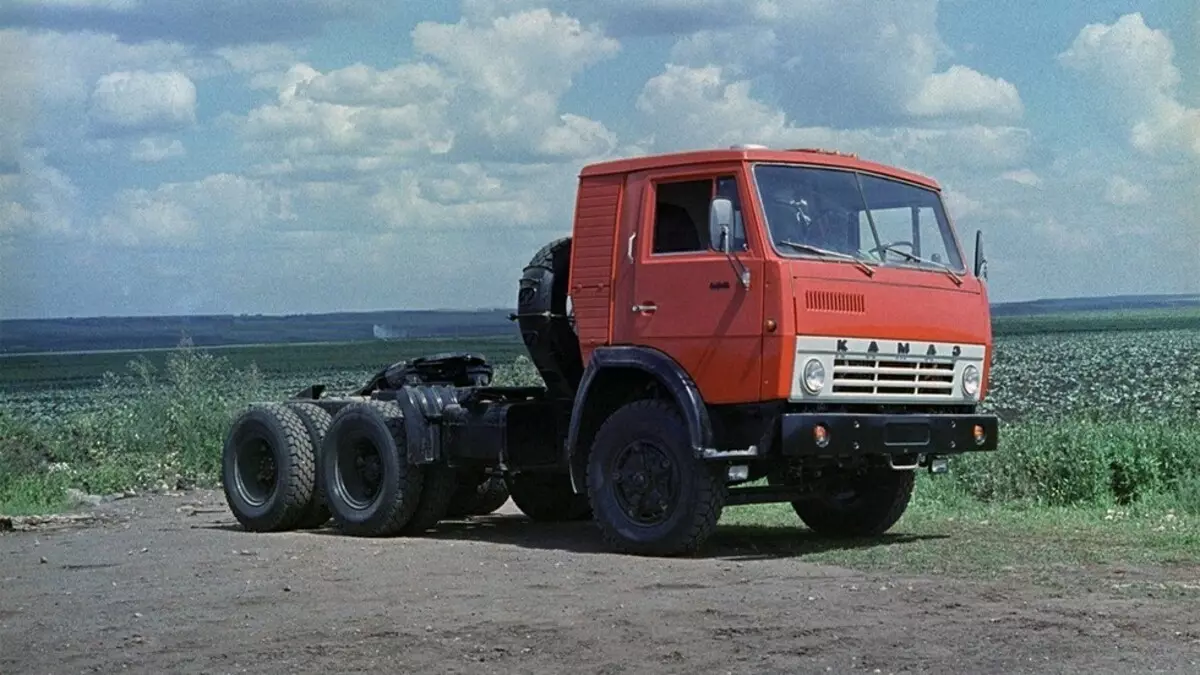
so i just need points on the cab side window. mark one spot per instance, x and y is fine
(681, 214)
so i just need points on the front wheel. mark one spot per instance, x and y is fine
(864, 505)
(650, 494)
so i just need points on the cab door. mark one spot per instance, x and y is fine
(684, 298)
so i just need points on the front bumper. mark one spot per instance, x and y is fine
(852, 434)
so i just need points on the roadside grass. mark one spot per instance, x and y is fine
(949, 533)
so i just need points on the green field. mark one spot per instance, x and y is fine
(1092, 419)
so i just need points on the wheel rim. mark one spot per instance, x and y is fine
(257, 472)
(359, 471)
(645, 482)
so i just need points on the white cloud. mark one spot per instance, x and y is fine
(479, 90)
(143, 101)
(156, 149)
(1026, 177)
(37, 199)
(700, 107)
(963, 92)
(217, 210)
(1121, 191)
(1134, 66)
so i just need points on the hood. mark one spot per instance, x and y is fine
(840, 300)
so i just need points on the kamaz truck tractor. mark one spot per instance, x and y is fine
(721, 327)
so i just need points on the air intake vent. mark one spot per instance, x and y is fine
(832, 301)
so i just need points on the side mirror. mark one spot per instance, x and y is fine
(980, 260)
(720, 224)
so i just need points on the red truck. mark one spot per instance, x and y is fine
(722, 327)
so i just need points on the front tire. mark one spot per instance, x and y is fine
(370, 487)
(650, 494)
(267, 468)
(858, 506)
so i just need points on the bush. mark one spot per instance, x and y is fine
(1083, 461)
(150, 431)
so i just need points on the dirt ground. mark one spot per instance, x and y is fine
(170, 584)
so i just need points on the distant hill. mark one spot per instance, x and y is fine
(164, 332)
(1095, 304)
(161, 332)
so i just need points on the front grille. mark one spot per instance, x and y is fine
(893, 377)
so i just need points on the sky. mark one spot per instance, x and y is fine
(297, 156)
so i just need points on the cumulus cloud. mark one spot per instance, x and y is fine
(141, 101)
(478, 90)
(1134, 66)
(213, 211)
(1121, 191)
(1026, 177)
(847, 64)
(156, 149)
(701, 107)
(963, 92)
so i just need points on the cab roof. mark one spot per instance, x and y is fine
(810, 156)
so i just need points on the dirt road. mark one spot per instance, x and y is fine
(169, 584)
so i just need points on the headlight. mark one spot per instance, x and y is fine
(814, 376)
(970, 381)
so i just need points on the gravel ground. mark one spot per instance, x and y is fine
(169, 583)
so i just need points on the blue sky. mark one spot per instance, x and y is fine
(323, 155)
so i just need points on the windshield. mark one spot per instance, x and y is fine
(873, 219)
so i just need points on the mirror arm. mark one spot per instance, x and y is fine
(735, 262)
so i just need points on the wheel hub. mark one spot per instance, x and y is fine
(360, 471)
(645, 482)
(256, 472)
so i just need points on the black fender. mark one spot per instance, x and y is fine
(423, 407)
(661, 367)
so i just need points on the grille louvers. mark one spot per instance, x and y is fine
(834, 301)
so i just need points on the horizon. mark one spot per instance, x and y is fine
(1195, 297)
(181, 162)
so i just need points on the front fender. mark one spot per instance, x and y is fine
(657, 365)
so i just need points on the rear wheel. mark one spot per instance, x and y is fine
(316, 421)
(547, 497)
(863, 505)
(369, 485)
(267, 468)
(650, 494)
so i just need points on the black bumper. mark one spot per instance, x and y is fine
(851, 434)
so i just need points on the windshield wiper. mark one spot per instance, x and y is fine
(942, 266)
(858, 262)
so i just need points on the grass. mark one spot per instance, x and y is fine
(945, 532)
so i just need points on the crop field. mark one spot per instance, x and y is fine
(1072, 549)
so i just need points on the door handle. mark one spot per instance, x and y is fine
(648, 307)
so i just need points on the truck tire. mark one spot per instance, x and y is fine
(268, 468)
(370, 487)
(867, 506)
(651, 495)
(316, 421)
(547, 497)
(477, 495)
(438, 488)
(546, 329)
